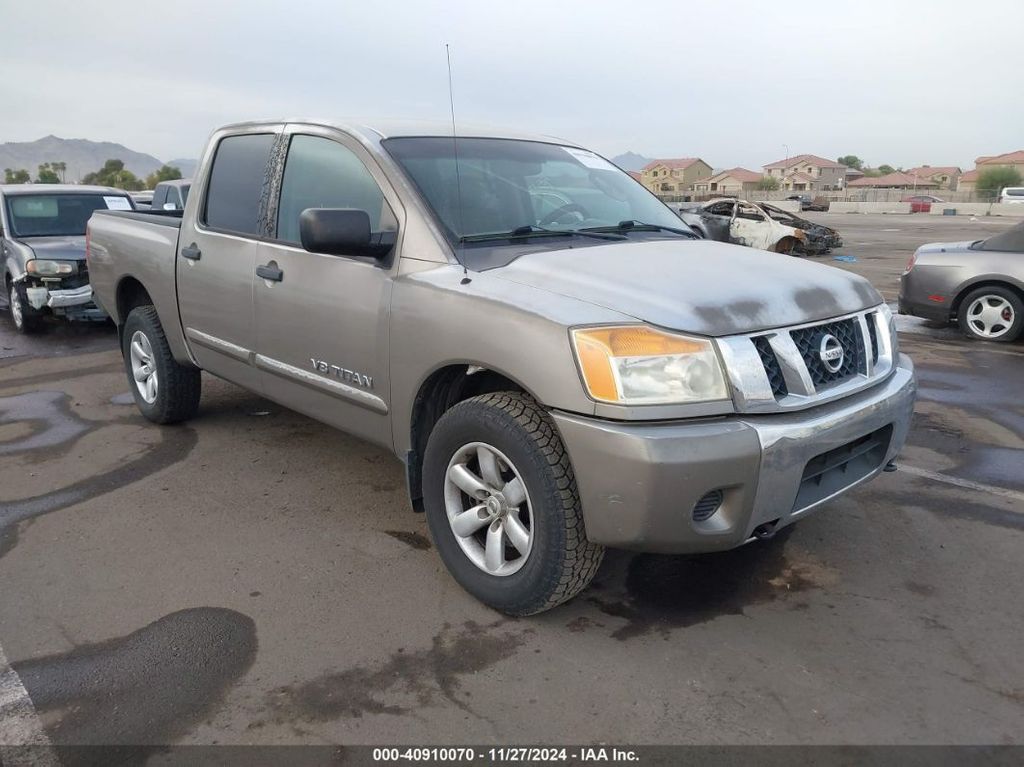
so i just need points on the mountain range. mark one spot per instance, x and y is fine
(631, 161)
(81, 157)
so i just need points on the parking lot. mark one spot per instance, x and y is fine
(256, 577)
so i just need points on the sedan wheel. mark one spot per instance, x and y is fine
(992, 314)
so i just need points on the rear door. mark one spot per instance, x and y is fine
(217, 256)
(322, 321)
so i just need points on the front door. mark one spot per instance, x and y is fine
(322, 320)
(750, 227)
(217, 259)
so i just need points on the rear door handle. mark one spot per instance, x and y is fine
(270, 272)
(192, 252)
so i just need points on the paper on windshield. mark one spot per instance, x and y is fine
(117, 203)
(590, 159)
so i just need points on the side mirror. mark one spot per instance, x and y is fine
(342, 232)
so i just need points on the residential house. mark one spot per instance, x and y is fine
(895, 180)
(945, 176)
(673, 176)
(807, 172)
(969, 180)
(733, 182)
(635, 175)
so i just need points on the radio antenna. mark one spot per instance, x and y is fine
(455, 153)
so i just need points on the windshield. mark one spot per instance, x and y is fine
(1011, 241)
(52, 215)
(510, 185)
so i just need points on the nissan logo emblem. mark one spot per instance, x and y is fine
(831, 353)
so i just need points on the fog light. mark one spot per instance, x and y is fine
(707, 505)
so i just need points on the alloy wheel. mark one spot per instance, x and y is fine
(489, 509)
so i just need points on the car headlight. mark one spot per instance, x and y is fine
(44, 268)
(638, 365)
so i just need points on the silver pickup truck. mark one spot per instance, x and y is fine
(559, 362)
(42, 250)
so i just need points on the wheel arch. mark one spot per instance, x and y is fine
(985, 281)
(439, 391)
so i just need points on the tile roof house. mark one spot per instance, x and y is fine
(969, 180)
(945, 176)
(814, 172)
(675, 175)
(734, 181)
(895, 180)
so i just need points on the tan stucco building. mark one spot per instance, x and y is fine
(807, 172)
(674, 176)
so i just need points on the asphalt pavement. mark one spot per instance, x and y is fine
(256, 577)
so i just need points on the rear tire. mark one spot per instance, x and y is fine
(553, 560)
(165, 391)
(992, 313)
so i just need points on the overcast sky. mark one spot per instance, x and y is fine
(896, 82)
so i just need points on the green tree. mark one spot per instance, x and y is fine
(114, 174)
(851, 161)
(61, 168)
(768, 184)
(885, 170)
(166, 173)
(992, 180)
(16, 176)
(47, 174)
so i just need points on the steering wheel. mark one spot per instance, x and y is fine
(557, 213)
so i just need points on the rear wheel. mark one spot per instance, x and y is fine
(992, 313)
(502, 505)
(164, 390)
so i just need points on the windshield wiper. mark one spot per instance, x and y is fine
(639, 226)
(531, 230)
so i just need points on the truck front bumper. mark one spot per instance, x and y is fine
(640, 483)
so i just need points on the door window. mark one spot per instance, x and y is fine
(236, 183)
(321, 173)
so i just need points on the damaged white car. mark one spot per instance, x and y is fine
(760, 225)
(42, 241)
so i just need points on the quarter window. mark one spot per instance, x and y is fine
(236, 183)
(321, 173)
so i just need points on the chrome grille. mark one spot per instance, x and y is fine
(808, 343)
(771, 365)
(781, 369)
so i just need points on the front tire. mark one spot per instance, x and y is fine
(165, 391)
(992, 313)
(26, 320)
(502, 505)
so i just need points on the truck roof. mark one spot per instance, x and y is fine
(376, 130)
(59, 189)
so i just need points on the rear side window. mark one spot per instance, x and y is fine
(159, 197)
(320, 173)
(236, 183)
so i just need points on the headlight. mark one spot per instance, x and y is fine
(638, 365)
(44, 268)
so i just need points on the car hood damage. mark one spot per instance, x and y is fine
(57, 248)
(819, 239)
(696, 286)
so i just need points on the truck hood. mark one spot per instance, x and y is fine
(696, 286)
(57, 248)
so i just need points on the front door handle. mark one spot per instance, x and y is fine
(192, 252)
(270, 272)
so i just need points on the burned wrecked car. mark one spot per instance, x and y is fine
(43, 250)
(760, 225)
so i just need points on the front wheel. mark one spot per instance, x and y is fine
(164, 390)
(25, 319)
(502, 505)
(992, 314)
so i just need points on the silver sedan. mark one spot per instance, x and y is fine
(979, 285)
